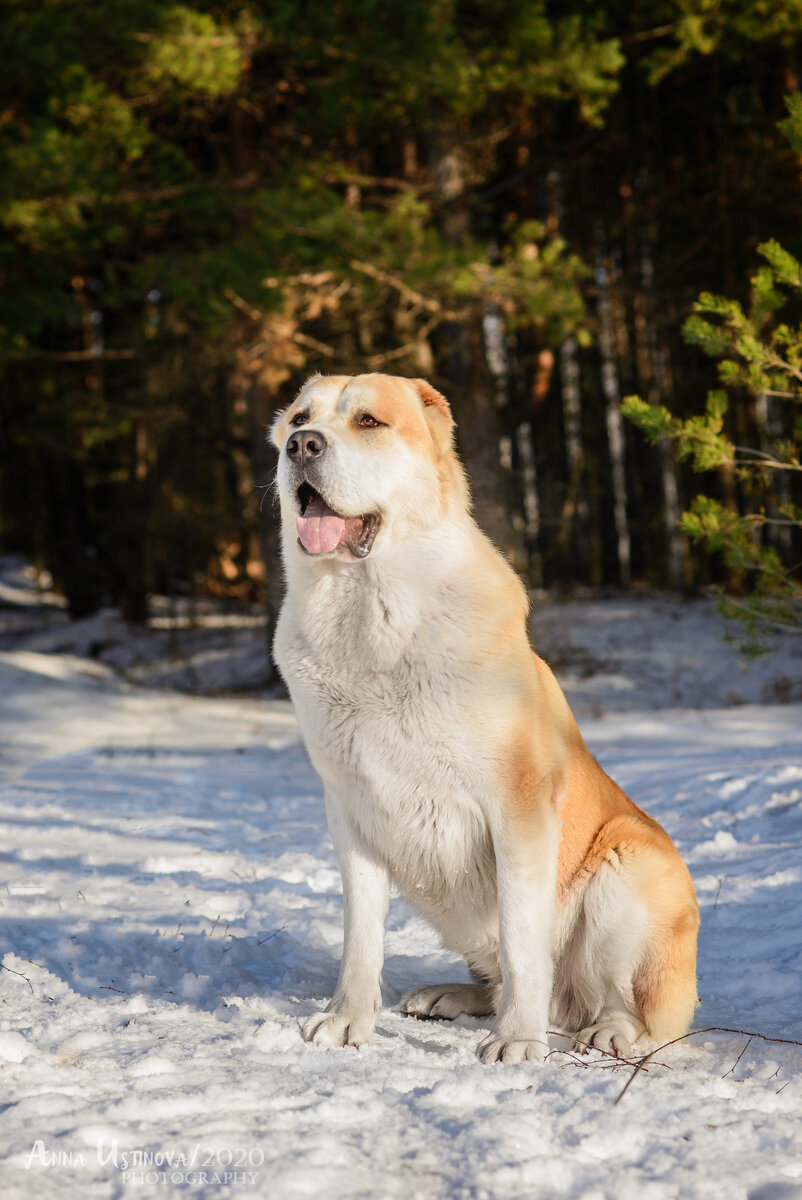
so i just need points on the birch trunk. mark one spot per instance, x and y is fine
(498, 364)
(526, 456)
(770, 430)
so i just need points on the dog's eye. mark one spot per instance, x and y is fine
(300, 418)
(366, 421)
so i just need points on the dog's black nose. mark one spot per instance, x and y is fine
(304, 444)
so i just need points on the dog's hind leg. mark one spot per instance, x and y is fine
(445, 1001)
(600, 962)
(630, 965)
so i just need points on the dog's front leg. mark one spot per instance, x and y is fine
(351, 1014)
(526, 870)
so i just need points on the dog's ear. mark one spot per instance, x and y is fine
(438, 414)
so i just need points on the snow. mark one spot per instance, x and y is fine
(652, 651)
(172, 910)
(636, 651)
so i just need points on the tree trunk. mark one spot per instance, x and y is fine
(463, 360)
(526, 455)
(656, 382)
(614, 420)
(575, 516)
(574, 531)
(770, 430)
(76, 564)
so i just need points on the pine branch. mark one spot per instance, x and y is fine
(761, 458)
(758, 614)
(303, 339)
(377, 360)
(404, 289)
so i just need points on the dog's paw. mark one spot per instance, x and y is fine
(498, 1049)
(446, 1001)
(341, 1028)
(611, 1037)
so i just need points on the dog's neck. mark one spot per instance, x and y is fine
(381, 610)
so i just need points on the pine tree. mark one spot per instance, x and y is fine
(202, 202)
(761, 356)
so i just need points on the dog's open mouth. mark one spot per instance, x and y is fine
(320, 529)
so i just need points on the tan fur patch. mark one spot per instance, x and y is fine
(394, 406)
(426, 427)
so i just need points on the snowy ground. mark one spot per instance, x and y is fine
(171, 911)
(644, 650)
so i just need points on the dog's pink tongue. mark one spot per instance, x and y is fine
(320, 529)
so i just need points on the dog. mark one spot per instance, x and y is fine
(451, 762)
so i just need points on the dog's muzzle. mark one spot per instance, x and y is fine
(322, 530)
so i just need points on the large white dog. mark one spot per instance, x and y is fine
(451, 761)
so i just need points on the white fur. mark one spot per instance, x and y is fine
(381, 692)
(404, 716)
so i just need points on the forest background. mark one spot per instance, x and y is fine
(203, 203)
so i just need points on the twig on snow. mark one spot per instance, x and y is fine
(738, 1059)
(613, 1062)
(13, 972)
(271, 935)
(575, 1059)
(617, 1059)
(640, 1067)
(748, 1033)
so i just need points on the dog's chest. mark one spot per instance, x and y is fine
(408, 767)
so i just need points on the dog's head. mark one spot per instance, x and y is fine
(362, 459)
